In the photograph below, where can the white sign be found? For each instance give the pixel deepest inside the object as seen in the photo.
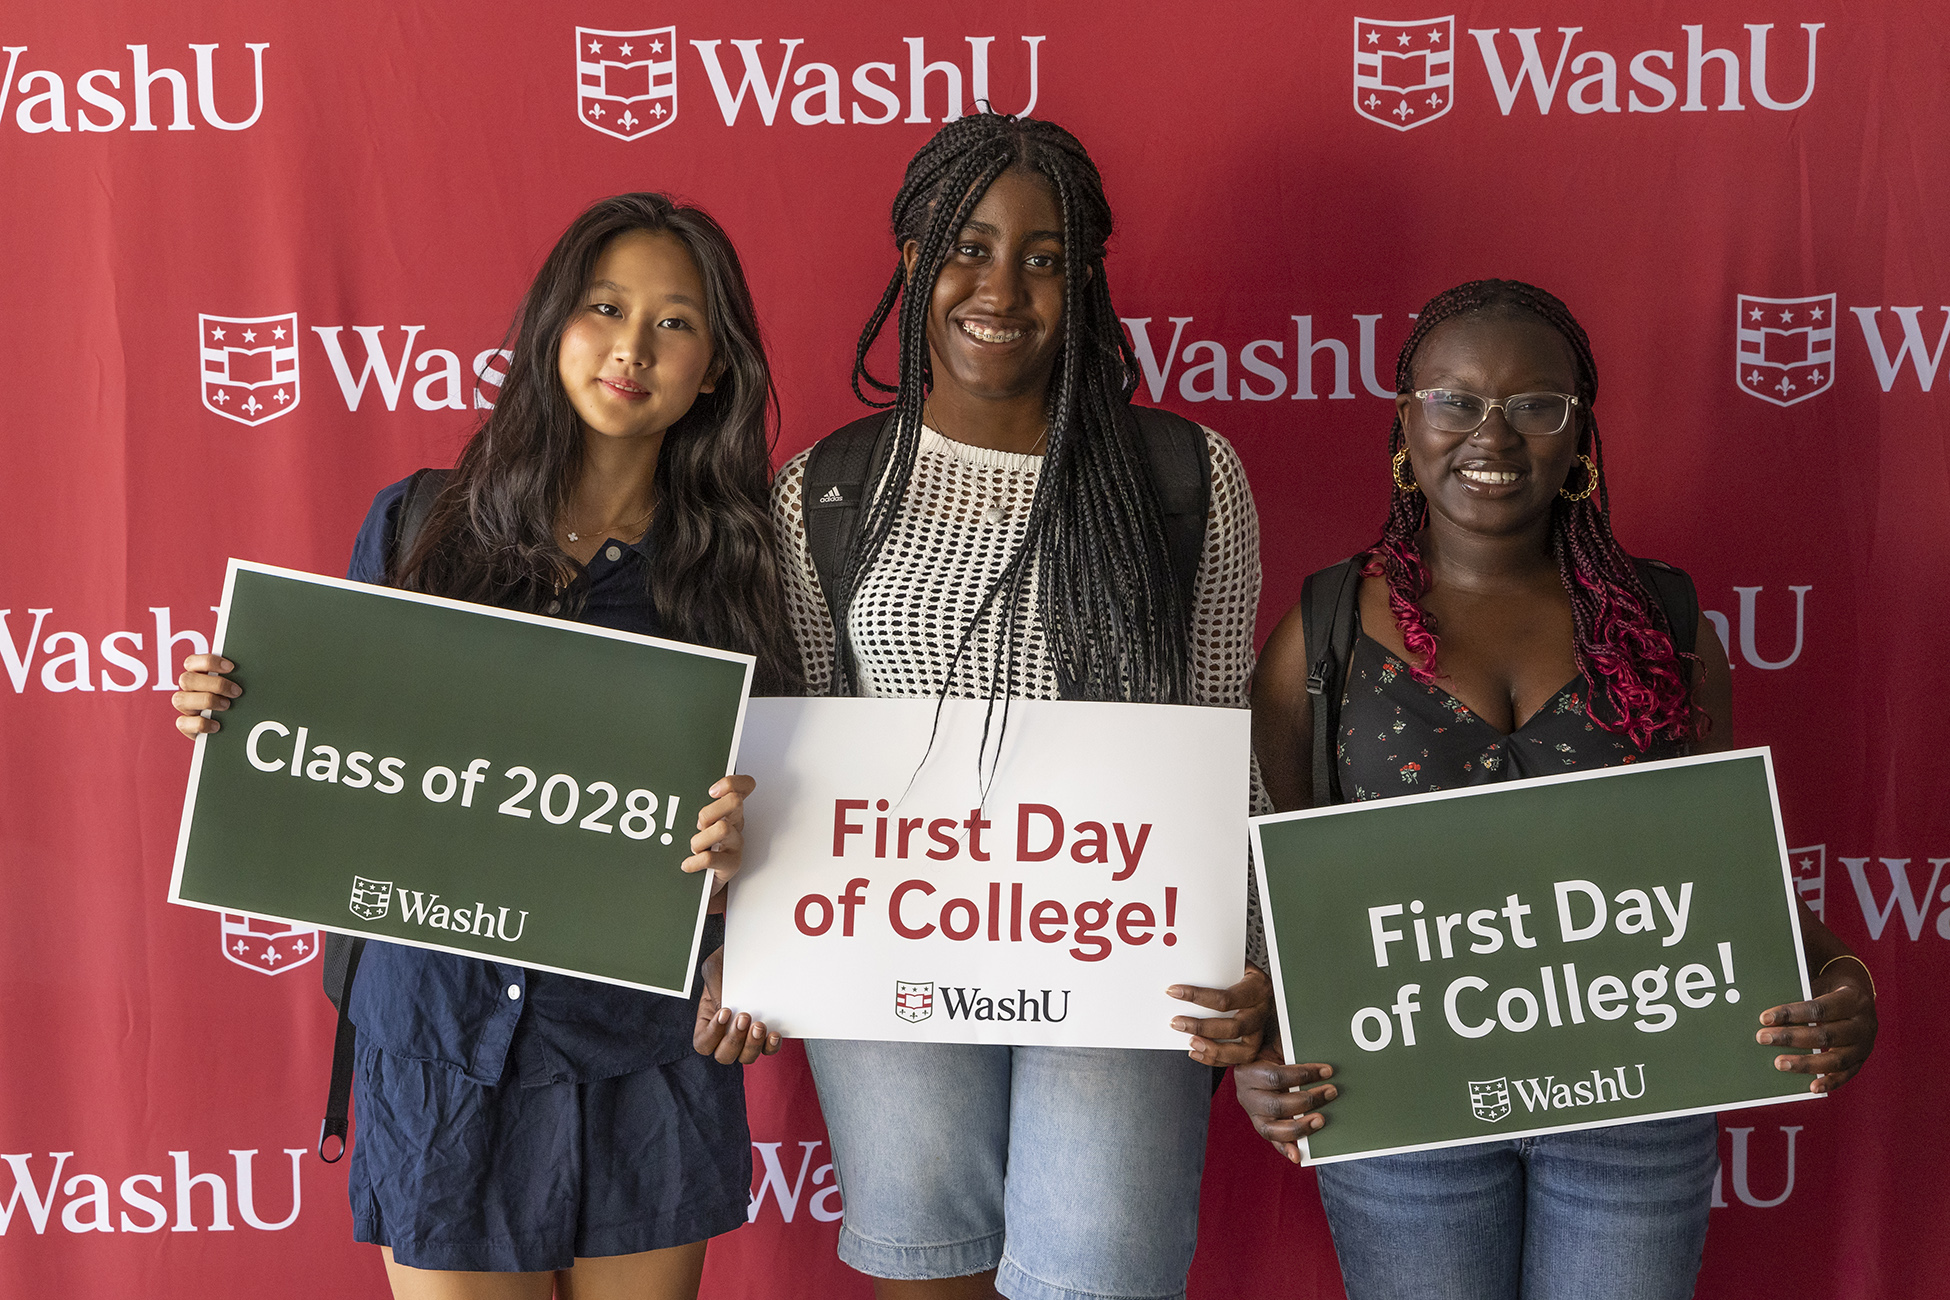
(884, 897)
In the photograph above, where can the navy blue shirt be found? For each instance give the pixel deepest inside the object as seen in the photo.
(491, 1020)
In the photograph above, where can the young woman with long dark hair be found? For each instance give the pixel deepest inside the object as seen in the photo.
(522, 1132)
(1504, 633)
(1015, 542)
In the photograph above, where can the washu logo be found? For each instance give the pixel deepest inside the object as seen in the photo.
(1602, 1088)
(971, 1004)
(42, 103)
(416, 908)
(626, 81)
(1785, 347)
(370, 898)
(1405, 71)
(913, 1002)
(250, 366)
(268, 947)
(1489, 1099)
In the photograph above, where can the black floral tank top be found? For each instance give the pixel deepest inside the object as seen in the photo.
(1399, 736)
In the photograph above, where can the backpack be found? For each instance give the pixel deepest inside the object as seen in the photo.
(844, 463)
(1327, 618)
(342, 951)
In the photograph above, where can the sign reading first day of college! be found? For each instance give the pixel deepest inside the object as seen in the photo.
(1534, 957)
(887, 895)
(451, 776)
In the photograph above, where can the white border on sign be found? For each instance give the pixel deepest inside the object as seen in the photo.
(237, 566)
(1766, 757)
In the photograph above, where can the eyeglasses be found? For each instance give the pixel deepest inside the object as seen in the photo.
(1535, 415)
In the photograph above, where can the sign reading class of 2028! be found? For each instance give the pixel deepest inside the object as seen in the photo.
(885, 896)
(451, 776)
(1534, 957)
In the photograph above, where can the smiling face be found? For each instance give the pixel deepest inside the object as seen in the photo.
(637, 351)
(995, 318)
(1493, 481)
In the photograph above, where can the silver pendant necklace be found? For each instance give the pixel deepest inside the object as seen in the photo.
(994, 513)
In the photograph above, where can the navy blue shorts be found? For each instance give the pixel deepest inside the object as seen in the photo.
(454, 1174)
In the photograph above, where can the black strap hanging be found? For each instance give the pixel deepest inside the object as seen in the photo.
(342, 951)
(1327, 601)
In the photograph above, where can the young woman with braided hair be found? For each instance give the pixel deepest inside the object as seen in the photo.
(1504, 634)
(1017, 547)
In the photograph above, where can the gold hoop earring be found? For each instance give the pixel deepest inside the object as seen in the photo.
(1591, 471)
(1395, 472)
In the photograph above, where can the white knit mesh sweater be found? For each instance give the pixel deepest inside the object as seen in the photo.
(963, 519)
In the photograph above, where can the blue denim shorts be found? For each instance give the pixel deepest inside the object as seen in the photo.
(1072, 1171)
(454, 1174)
(1592, 1215)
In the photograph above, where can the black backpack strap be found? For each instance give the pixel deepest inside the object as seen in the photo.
(342, 951)
(838, 472)
(1677, 598)
(1181, 472)
(421, 491)
(338, 1097)
(1327, 619)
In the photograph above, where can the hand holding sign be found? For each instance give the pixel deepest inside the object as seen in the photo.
(910, 900)
(1278, 1100)
(719, 845)
(1838, 1027)
(458, 810)
(1235, 1038)
(728, 1037)
(1535, 957)
(203, 688)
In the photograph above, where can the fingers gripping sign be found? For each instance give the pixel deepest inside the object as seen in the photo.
(1232, 1038)
(203, 689)
(725, 1037)
(718, 846)
(1281, 1099)
(1836, 1030)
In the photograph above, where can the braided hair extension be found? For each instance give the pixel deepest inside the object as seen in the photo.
(1619, 632)
(1112, 614)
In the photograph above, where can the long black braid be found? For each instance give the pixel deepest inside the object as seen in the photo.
(1619, 633)
(1113, 619)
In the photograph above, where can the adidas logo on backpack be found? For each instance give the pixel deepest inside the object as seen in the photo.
(833, 497)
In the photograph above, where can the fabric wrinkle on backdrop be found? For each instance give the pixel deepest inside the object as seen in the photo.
(283, 245)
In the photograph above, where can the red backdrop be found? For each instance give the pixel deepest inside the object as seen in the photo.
(364, 189)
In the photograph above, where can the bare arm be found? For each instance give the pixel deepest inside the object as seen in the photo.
(1283, 717)
(1712, 692)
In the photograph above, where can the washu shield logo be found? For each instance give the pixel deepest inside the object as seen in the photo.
(1786, 347)
(250, 366)
(370, 898)
(1404, 73)
(913, 1002)
(267, 947)
(626, 82)
(1489, 1099)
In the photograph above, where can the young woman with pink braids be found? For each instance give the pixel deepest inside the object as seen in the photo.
(1503, 633)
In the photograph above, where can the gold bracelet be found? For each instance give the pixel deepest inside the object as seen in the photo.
(1849, 956)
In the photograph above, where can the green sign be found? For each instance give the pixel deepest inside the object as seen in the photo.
(1534, 957)
(451, 776)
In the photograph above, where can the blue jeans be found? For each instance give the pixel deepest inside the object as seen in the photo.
(1618, 1213)
(1072, 1171)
